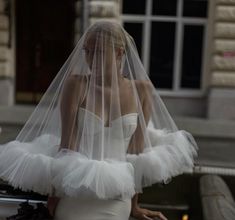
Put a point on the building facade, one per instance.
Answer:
(186, 46)
(200, 78)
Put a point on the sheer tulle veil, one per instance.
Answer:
(100, 129)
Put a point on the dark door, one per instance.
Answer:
(44, 39)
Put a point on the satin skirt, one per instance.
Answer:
(92, 209)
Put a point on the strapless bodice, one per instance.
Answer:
(116, 136)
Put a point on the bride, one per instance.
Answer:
(99, 135)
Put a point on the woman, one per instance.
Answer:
(99, 135)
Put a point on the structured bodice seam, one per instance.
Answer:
(123, 117)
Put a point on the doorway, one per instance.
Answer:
(44, 39)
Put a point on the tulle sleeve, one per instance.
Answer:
(171, 154)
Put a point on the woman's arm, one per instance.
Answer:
(144, 214)
(52, 202)
(134, 204)
(70, 101)
(72, 96)
(137, 140)
(144, 89)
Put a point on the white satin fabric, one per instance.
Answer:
(114, 139)
(92, 209)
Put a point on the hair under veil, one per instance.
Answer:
(100, 129)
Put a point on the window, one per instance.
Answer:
(170, 37)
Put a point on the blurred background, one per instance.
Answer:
(188, 50)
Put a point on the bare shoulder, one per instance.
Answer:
(143, 87)
(143, 84)
(75, 80)
(74, 87)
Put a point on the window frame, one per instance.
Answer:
(180, 21)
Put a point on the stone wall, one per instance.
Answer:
(221, 100)
(223, 60)
(6, 59)
(97, 10)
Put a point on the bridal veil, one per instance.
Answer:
(101, 129)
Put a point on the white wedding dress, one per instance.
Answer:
(91, 208)
(78, 178)
(99, 176)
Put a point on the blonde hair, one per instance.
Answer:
(111, 32)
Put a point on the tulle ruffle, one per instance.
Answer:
(42, 168)
(97, 178)
(67, 172)
(172, 154)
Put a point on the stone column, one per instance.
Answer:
(222, 85)
(98, 10)
(6, 65)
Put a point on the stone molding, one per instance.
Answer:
(200, 127)
(4, 35)
(2, 5)
(223, 63)
(229, 2)
(5, 70)
(221, 103)
(7, 91)
(221, 46)
(4, 53)
(225, 30)
(103, 9)
(225, 13)
(223, 79)
(223, 52)
(99, 8)
(4, 22)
